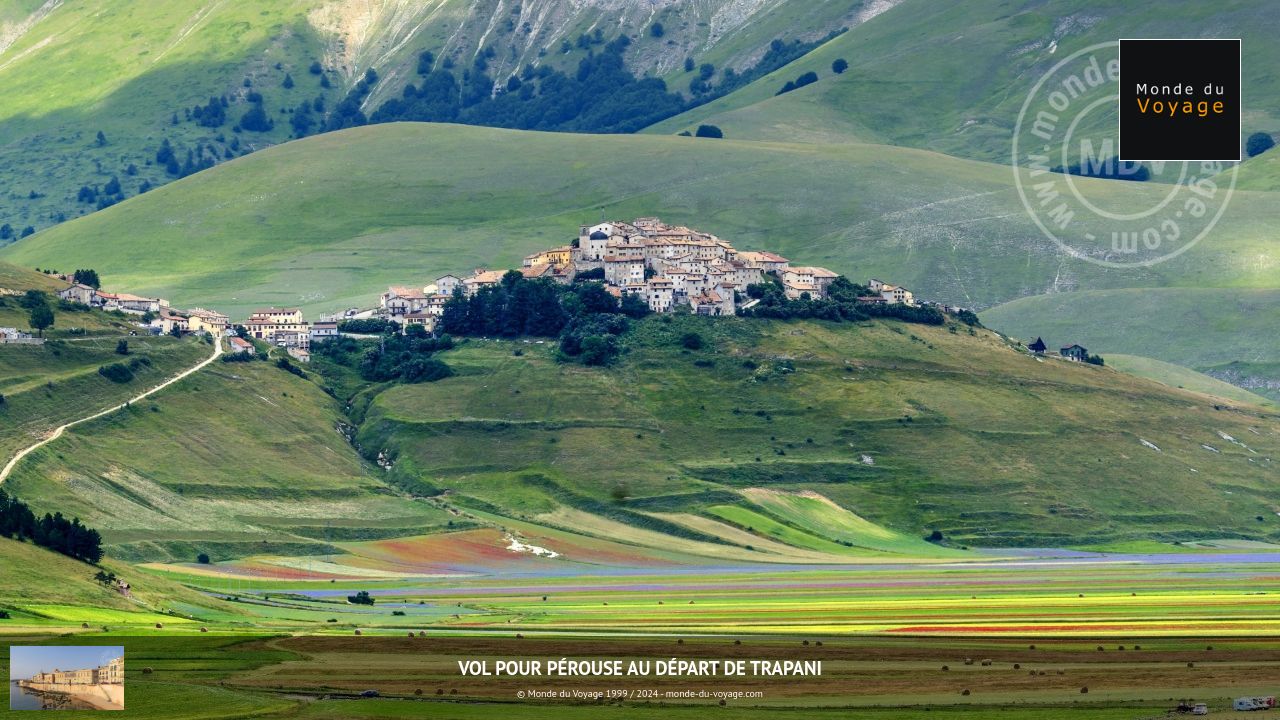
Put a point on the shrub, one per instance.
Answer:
(691, 341)
(122, 347)
(202, 558)
(709, 131)
(116, 372)
(1258, 143)
(360, 598)
(839, 66)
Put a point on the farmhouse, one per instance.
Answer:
(80, 293)
(1074, 352)
(1038, 347)
(240, 345)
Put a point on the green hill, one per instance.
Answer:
(238, 458)
(135, 71)
(910, 427)
(329, 221)
(1197, 328)
(1178, 376)
(797, 441)
(46, 385)
(952, 77)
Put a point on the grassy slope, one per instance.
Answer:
(328, 221)
(952, 77)
(31, 577)
(995, 447)
(1178, 376)
(1232, 324)
(241, 457)
(124, 68)
(45, 386)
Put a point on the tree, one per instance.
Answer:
(102, 139)
(657, 30)
(288, 82)
(41, 318)
(691, 341)
(633, 305)
(203, 558)
(122, 347)
(28, 231)
(360, 598)
(709, 131)
(839, 66)
(315, 68)
(6, 232)
(87, 277)
(256, 120)
(688, 64)
(1258, 143)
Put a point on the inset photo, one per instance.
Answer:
(77, 677)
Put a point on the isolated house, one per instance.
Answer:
(240, 345)
(1038, 347)
(1078, 353)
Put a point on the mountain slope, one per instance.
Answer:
(238, 458)
(952, 77)
(911, 427)
(329, 221)
(134, 71)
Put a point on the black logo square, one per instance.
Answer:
(1180, 100)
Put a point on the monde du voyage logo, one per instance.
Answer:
(1162, 114)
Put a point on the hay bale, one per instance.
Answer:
(680, 641)
(418, 691)
(147, 671)
(411, 633)
(1031, 672)
(818, 643)
(84, 625)
(965, 691)
(945, 668)
(439, 691)
(358, 632)
(204, 629)
(805, 643)
(1101, 649)
(968, 661)
(1031, 647)
(986, 663)
(1084, 690)
(422, 633)
(159, 626)
(1210, 647)
(1120, 647)
(1137, 647)
(737, 642)
(1017, 666)
(1191, 664)
(519, 636)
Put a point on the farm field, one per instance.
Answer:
(895, 642)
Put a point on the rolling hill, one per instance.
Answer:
(71, 69)
(828, 441)
(329, 221)
(46, 385)
(952, 77)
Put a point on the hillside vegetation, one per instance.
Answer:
(952, 77)
(135, 72)
(329, 221)
(46, 385)
(911, 427)
(238, 458)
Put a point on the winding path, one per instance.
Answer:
(57, 432)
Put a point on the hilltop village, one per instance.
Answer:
(670, 268)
